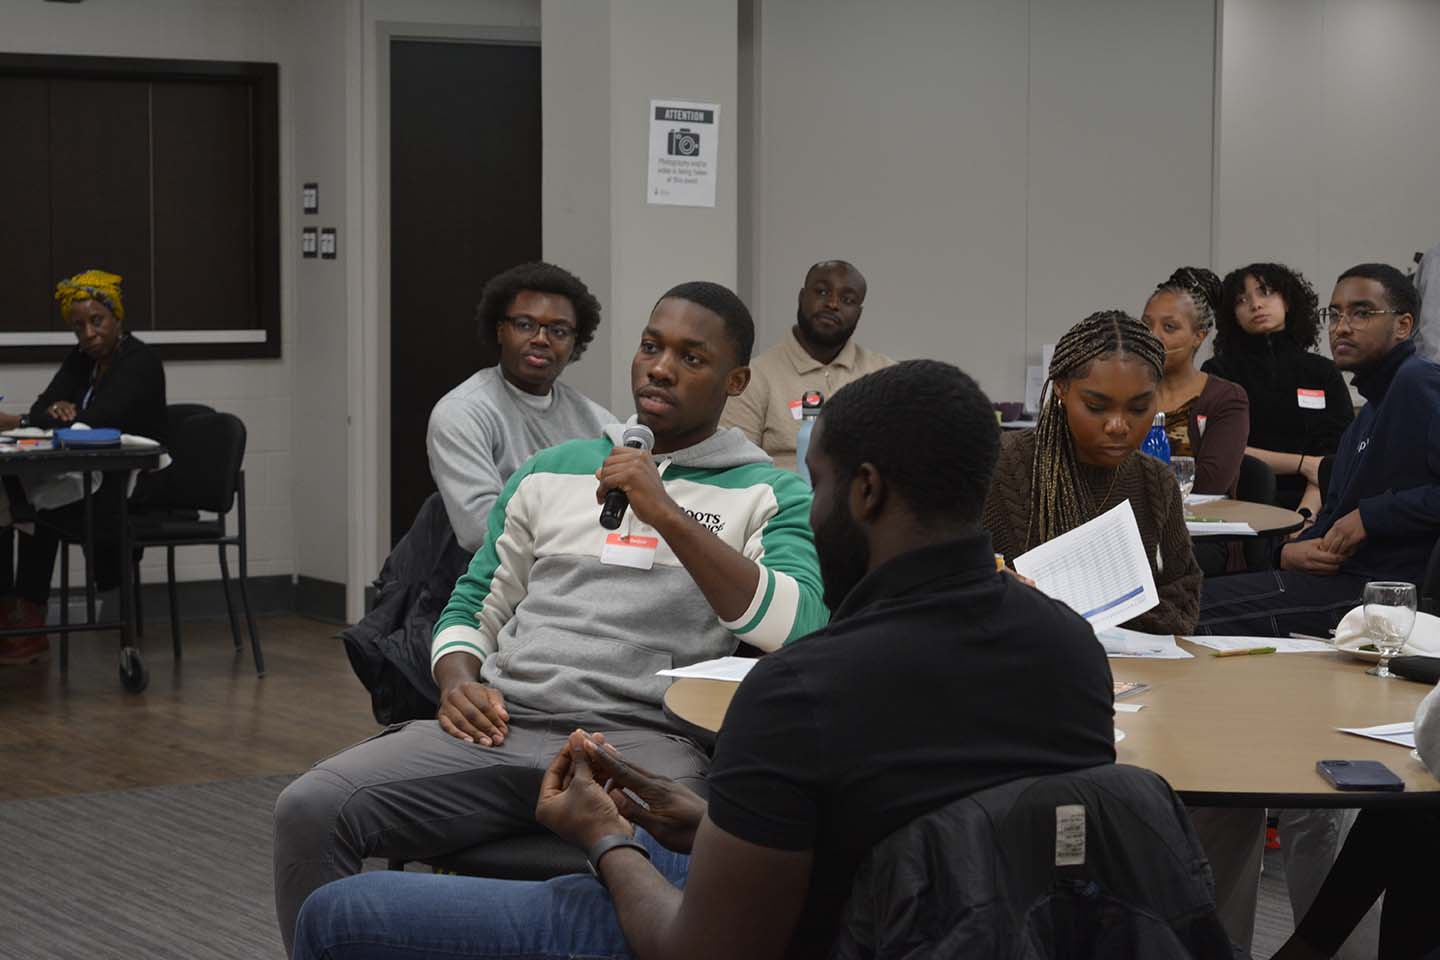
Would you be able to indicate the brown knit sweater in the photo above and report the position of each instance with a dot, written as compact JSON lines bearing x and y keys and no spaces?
{"x":1154,"y":496}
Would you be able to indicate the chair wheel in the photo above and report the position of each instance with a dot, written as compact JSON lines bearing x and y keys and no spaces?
{"x":134,"y":675}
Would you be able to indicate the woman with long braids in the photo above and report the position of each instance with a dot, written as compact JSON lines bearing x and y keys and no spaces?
{"x":1267,"y":325}
{"x":1083,"y":458}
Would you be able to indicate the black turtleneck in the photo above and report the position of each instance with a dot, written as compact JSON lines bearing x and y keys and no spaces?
{"x":1273,"y":369}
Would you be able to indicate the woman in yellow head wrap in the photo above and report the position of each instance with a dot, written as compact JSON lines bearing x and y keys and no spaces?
{"x":110,"y":379}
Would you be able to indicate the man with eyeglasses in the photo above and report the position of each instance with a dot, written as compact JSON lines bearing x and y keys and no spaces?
{"x":1379,"y":521}
{"x":540,"y":317}
{"x":1381,"y":513}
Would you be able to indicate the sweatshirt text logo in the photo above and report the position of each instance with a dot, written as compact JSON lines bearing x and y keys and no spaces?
{"x":710,"y":521}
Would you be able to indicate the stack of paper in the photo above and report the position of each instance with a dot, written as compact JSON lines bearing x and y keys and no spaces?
{"x":1219,"y":528}
{"x":725,"y":668}
{"x":1399,"y":733}
{"x":1119,"y":642}
{"x":1281,"y":644}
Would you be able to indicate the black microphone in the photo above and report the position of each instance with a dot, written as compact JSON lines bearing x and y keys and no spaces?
{"x":639,"y":437}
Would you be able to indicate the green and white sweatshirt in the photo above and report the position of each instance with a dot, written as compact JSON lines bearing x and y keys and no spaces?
{"x":559,"y":632}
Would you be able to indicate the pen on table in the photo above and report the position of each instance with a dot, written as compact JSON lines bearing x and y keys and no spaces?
{"x":1243,"y":653}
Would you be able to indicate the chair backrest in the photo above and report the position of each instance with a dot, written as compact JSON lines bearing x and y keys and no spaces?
{"x":178,"y":413}
{"x":1430,"y":589}
{"x":1256,"y":482}
{"x":208,"y":449}
{"x":1070,"y":865}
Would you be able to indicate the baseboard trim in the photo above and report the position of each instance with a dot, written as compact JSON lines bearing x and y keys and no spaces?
{"x":204,"y":599}
{"x":320,"y":599}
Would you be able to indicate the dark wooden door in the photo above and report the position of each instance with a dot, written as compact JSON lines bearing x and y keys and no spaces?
{"x":464,"y":205}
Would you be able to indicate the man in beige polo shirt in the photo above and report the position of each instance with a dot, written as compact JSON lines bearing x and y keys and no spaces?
{"x":819,"y":354}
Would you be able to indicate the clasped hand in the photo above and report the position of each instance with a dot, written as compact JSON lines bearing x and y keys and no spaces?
{"x":62,"y":411}
{"x":634,"y":472}
{"x":583,"y":798}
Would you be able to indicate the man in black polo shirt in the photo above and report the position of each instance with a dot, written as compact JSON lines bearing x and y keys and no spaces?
{"x":937,"y":677}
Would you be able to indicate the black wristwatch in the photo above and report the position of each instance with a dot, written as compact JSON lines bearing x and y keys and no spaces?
{"x":607,"y":843}
{"x":24,"y":420}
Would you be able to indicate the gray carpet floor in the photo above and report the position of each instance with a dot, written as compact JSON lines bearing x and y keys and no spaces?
{"x":183,"y":873}
{"x":169,"y":873}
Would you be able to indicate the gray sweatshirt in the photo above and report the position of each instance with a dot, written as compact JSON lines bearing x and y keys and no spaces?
{"x":481,"y":431}
{"x":571,"y":621}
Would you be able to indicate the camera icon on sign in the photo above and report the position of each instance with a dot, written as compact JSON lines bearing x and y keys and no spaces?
{"x":683,"y":143}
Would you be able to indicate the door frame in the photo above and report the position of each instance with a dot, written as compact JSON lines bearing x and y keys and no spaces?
{"x":369,"y":326}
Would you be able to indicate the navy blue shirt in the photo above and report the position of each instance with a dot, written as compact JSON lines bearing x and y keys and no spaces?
{"x":937,"y":677}
{"x":1387,"y":465}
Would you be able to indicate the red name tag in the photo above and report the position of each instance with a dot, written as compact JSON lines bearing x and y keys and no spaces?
{"x":635,"y":552}
{"x":1310,"y":399}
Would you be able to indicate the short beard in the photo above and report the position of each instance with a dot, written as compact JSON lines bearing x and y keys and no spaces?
{"x":843,"y":552}
{"x":836,"y":339}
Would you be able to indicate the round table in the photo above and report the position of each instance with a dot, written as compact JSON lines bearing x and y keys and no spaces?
{"x":1265,"y":520}
{"x":1224,"y":731}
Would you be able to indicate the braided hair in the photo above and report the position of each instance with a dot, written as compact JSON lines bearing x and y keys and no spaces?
{"x":1202,"y":286}
{"x":1058,"y":502}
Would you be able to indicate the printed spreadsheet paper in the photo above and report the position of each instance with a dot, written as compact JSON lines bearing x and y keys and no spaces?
{"x":1099,"y":569}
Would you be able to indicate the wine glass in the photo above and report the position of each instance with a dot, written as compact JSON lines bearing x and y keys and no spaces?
{"x":1389,"y":618}
{"x":1184,"y":468}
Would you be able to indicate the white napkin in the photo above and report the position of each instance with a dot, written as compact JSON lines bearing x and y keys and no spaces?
{"x":1424,"y":639}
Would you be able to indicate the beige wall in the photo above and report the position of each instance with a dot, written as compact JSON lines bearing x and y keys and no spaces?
{"x":1329,"y":137}
{"x":998,"y":170}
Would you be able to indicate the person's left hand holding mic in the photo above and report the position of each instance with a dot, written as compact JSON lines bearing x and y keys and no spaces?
{"x":634,"y":472}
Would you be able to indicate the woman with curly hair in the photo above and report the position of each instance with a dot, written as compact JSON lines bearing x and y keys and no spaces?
{"x":1266,"y":328}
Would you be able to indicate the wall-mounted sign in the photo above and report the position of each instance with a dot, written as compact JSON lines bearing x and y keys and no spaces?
{"x":684,"y":145}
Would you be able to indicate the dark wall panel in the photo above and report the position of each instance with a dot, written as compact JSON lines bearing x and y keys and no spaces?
{"x":464,"y":205}
{"x":204,"y":215}
{"x":25,"y":302}
{"x":100,"y":185}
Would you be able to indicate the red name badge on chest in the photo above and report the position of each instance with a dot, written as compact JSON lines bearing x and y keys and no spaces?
{"x":636,"y":552}
{"x":1310,"y":399}
{"x":796,"y":411}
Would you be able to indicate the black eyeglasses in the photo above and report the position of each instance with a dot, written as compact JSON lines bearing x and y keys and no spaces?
{"x":556,"y":332}
{"x":1359,"y":317}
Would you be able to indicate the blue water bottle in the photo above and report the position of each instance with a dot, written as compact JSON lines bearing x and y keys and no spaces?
{"x":1157,"y":444}
{"x":810,"y":404}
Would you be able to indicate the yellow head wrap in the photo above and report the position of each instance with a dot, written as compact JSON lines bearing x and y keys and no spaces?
{"x":90,"y":285}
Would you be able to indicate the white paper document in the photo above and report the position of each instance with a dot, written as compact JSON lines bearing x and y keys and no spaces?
{"x":1195,"y":499}
{"x":1099,"y":569}
{"x":1219,"y":528}
{"x":726,"y":668}
{"x":1132,"y":644}
{"x":1281,"y":644}
{"x":1399,"y":733}
{"x":1129,"y":707}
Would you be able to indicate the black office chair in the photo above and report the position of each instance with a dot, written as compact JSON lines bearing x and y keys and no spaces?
{"x":1256,"y":484}
{"x":207,"y":475}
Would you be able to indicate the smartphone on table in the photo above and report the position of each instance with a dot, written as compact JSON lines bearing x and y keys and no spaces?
{"x":1359,"y":775}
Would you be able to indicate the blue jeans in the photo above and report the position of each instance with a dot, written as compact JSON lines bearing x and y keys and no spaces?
{"x":388,"y":915}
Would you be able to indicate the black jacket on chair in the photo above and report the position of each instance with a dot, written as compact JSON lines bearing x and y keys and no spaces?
{"x":389,"y":649}
{"x":978,"y":878}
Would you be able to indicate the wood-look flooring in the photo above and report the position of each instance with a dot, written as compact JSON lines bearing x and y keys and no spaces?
{"x":206,"y":717}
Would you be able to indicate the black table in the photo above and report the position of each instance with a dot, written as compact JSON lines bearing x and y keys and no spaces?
{"x":116,"y":463}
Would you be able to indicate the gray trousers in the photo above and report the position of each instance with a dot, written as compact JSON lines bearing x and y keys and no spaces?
{"x":413,"y":791}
